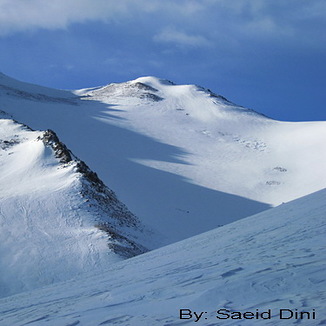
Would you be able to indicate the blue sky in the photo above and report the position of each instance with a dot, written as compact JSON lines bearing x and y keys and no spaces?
{"x":268,"y":55}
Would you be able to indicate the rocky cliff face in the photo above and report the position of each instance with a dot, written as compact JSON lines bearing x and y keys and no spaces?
{"x":110,"y":215}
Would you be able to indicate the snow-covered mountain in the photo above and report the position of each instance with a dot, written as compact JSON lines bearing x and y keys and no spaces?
{"x":271,"y":265}
{"x":57,"y":219}
{"x":182,"y":158}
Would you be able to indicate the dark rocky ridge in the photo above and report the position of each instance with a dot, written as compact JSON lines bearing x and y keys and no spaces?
{"x":128,"y":89}
{"x":112,"y":216}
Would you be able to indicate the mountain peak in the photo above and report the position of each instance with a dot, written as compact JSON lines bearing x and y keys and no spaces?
{"x":57,"y":205}
{"x":152,"y":80}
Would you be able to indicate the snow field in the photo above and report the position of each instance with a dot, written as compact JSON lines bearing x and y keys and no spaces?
{"x":274,"y":260}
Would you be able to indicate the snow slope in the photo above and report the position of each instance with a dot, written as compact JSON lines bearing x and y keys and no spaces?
{"x":271,"y":261}
{"x":57,"y":219}
{"x":225,"y":147}
{"x":191,"y":160}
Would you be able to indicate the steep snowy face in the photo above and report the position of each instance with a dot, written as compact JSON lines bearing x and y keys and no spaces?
{"x":219,"y":145}
{"x":57,"y":219}
{"x":273,"y":262}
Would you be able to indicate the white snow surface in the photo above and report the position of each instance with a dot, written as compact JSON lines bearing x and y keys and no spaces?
{"x":270,"y":261}
{"x":47,"y":231}
{"x":183,"y":159}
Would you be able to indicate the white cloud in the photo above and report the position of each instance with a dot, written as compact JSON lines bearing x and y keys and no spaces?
{"x":209,"y":20}
{"x":172,"y":35}
{"x":20,"y":15}
{"x":17,"y":15}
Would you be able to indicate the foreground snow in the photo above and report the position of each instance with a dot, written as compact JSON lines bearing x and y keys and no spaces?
{"x":271,"y":261}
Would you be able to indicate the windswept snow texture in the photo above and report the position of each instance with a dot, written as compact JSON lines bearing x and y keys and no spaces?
{"x":56,"y":219}
{"x":183,"y":159}
{"x":274,"y":260}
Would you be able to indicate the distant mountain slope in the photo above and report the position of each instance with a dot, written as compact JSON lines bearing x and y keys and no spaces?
{"x":182,"y":158}
{"x":57,"y":219}
{"x":271,"y":261}
{"x":223,"y":146}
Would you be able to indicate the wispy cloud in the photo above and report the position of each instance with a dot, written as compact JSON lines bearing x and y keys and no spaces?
{"x":172,"y":35}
